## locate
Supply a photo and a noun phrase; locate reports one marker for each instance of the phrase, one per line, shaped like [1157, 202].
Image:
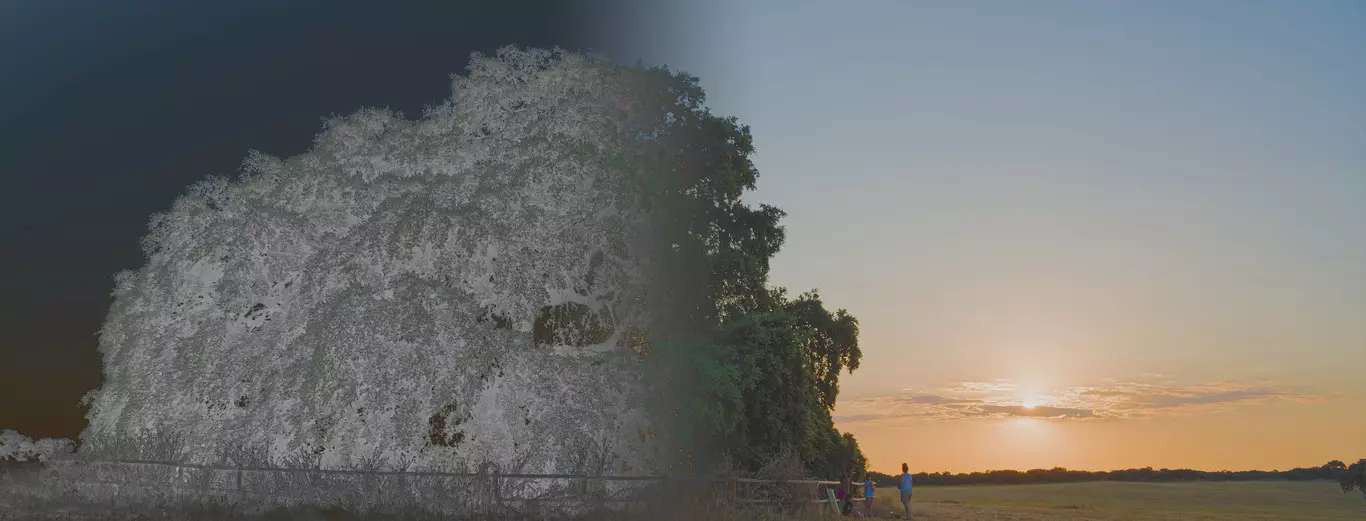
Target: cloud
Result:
[999, 385]
[1178, 400]
[1041, 411]
[1105, 393]
[859, 418]
[1137, 399]
[935, 399]
[1112, 400]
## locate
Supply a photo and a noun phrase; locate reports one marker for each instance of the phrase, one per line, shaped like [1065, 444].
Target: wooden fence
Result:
[443, 490]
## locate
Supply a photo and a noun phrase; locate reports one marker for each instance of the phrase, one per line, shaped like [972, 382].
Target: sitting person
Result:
[847, 499]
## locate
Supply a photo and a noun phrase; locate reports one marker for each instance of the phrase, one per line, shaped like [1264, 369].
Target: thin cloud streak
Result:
[1041, 411]
[1114, 400]
[935, 400]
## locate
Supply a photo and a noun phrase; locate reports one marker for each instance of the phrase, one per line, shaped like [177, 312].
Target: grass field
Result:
[59, 497]
[1279, 500]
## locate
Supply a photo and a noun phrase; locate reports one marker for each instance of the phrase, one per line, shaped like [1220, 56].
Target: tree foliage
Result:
[17, 447]
[741, 371]
[1352, 477]
[451, 289]
[482, 284]
[843, 459]
[693, 174]
[830, 343]
[749, 393]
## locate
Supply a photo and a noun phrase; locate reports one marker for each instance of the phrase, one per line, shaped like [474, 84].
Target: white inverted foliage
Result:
[331, 304]
[17, 447]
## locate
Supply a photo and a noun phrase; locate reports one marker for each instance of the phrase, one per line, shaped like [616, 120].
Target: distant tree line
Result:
[1350, 477]
[1353, 477]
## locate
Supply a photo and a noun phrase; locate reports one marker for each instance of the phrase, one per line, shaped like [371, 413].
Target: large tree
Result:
[741, 371]
[473, 285]
[480, 284]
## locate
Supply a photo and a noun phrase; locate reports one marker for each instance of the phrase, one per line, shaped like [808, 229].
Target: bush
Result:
[17, 447]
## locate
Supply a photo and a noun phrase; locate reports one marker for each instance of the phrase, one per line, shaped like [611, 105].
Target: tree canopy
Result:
[1353, 476]
[743, 372]
[555, 261]
[472, 285]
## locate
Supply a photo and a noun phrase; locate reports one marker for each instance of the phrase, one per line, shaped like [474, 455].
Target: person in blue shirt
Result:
[906, 489]
[868, 495]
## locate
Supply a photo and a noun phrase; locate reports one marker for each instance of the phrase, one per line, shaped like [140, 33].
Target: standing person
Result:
[868, 494]
[906, 489]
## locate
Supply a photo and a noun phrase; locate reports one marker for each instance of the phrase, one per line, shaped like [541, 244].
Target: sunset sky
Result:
[1076, 234]
[1080, 234]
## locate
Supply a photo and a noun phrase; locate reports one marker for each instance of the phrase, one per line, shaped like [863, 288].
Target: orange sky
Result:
[1248, 430]
[1148, 225]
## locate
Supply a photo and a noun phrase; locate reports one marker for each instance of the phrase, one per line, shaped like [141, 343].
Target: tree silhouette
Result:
[1353, 477]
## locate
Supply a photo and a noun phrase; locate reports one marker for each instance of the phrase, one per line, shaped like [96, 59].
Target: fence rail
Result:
[382, 472]
[446, 491]
[493, 474]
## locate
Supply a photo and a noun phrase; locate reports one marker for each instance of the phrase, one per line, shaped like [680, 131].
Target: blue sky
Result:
[1055, 193]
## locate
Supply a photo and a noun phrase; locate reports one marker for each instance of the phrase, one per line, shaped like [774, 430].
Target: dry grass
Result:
[27, 494]
[1228, 501]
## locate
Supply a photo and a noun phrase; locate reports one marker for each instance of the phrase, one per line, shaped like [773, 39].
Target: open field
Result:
[84, 490]
[1279, 500]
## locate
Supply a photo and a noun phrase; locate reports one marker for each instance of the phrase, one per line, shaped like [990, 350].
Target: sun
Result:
[1032, 403]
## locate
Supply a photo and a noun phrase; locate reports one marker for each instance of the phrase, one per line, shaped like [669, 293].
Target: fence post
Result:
[490, 494]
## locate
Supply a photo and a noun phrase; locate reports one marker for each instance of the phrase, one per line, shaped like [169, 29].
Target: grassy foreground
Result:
[1267, 500]
[27, 494]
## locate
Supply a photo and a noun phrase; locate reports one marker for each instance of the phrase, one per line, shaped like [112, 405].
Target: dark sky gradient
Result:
[108, 110]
